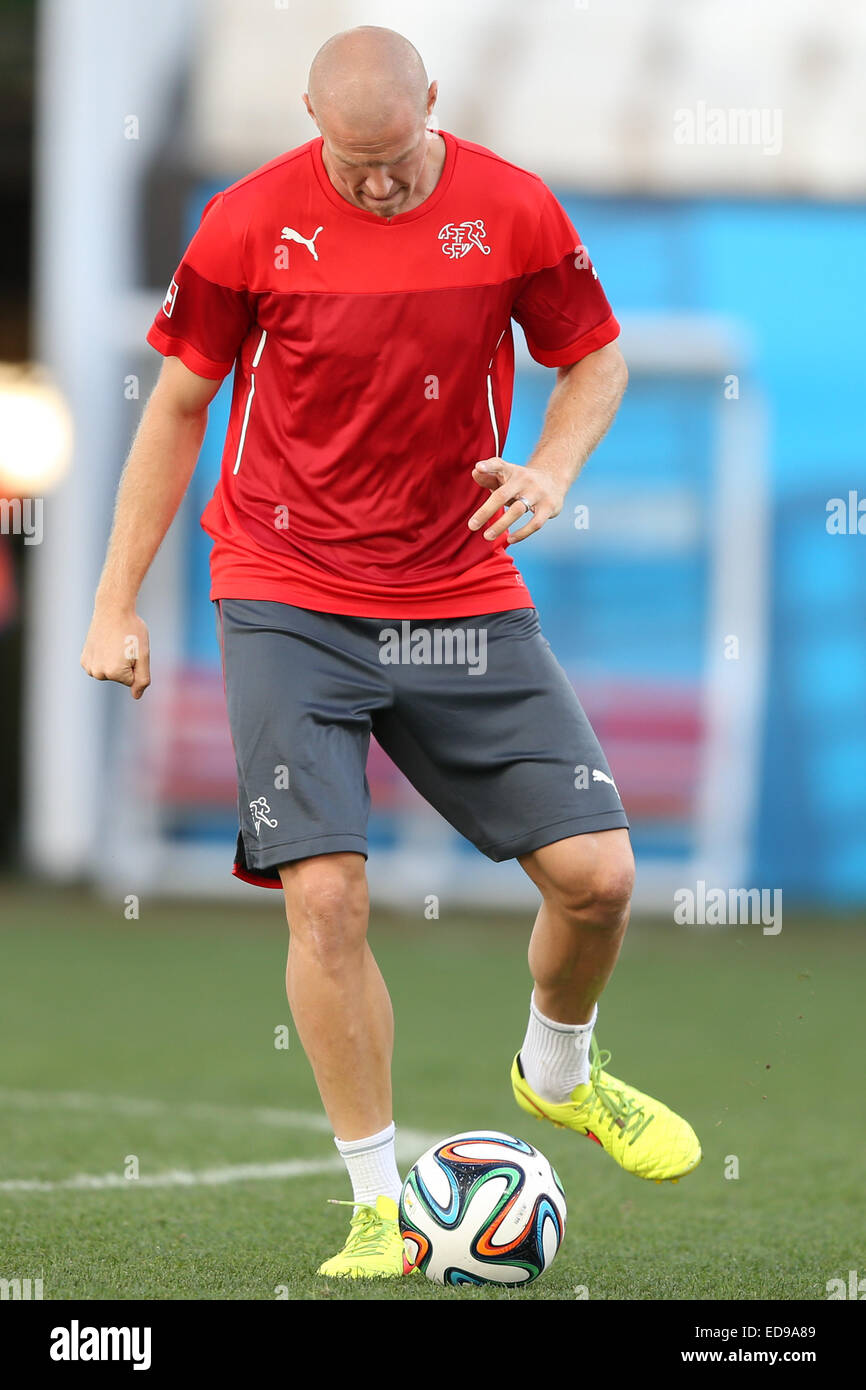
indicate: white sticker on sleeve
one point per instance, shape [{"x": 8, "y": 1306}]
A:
[{"x": 170, "y": 299}]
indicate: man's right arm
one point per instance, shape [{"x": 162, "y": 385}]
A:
[{"x": 157, "y": 473}]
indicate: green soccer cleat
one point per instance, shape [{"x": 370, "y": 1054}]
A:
[
  {"x": 374, "y": 1247},
  {"x": 641, "y": 1134}
]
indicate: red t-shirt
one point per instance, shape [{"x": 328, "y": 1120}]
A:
[{"x": 374, "y": 366}]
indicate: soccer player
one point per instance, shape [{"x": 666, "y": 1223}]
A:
[{"x": 362, "y": 288}]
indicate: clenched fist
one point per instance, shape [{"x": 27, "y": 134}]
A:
[{"x": 118, "y": 649}]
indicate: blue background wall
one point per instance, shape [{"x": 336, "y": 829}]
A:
[{"x": 795, "y": 275}]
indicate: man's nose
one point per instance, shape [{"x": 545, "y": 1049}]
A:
[{"x": 379, "y": 184}]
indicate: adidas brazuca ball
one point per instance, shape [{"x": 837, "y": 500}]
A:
[{"x": 482, "y": 1208}]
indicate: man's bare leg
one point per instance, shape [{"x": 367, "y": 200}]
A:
[
  {"x": 336, "y": 993},
  {"x": 585, "y": 882},
  {"x": 345, "y": 1022}
]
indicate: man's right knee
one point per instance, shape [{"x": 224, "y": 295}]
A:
[{"x": 327, "y": 905}]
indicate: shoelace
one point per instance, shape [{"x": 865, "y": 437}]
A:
[
  {"x": 622, "y": 1110},
  {"x": 368, "y": 1233}
]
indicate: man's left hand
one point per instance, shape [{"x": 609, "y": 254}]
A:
[{"x": 509, "y": 482}]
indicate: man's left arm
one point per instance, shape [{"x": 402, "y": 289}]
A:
[{"x": 581, "y": 409}]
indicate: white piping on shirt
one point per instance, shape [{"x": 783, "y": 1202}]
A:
[
  {"x": 250, "y": 394},
  {"x": 490, "y": 404}
]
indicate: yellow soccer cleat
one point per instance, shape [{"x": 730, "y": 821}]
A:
[
  {"x": 641, "y": 1134},
  {"x": 374, "y": 1248}
]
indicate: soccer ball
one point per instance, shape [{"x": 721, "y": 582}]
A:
[{"x": 482, "y": 1208}]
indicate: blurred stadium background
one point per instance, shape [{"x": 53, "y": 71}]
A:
[
  {"x": 711, "y": 156},
  {"x": 735, "y": 267}
]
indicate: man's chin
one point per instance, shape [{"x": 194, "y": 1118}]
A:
[{"x": 385, "y": 206}]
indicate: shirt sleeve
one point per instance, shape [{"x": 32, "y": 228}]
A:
[
  {"x": 206, "y": 313},
  {"x": 560, "y": 304}
]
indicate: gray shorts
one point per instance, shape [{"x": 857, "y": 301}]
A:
[{"x": 476, "y": 712}]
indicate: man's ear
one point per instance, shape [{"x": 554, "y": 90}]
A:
[
  {"x": 310, "y": 110},
  {"x": 432, "y": 94}
]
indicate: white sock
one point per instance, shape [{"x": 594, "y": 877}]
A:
[
  {"x": 555, "y": 1056},
  {"x": 372, "y": 1166}
]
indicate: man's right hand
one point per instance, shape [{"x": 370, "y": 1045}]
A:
[
  {"x": 118, "y": 649},
  {"x": 155, "y": 477}
]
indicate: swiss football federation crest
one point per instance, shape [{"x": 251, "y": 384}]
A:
[
  {"x": 458, "y": 239},
  {"x": 259, "y": 810}
]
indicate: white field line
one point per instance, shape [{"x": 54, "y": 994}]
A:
[
  {"x": 181, "y": 1177},
  {"x": 410, "y": 1142},
  {"x": 133, "y": 1107}
]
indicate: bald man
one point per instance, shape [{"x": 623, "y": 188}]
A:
[{"x": 362, "y": 289}]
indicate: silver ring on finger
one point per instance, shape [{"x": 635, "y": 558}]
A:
[{"x": 526, "y": 502}]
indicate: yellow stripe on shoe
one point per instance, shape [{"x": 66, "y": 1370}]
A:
[
  {"x": 374, "y": 1247},
  {"x": 643, "y": 1136}
]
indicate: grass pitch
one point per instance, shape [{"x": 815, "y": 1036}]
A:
[{"x": 149, "y": 1046}]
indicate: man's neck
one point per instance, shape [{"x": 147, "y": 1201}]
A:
[{"x": 436, "y": 152}]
